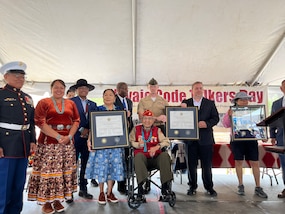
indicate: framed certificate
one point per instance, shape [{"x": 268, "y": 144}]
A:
[
  {"x": 109, "y": 129},
  {"x": 182, "y": 123},
  {"x": 244, "y": 120}
]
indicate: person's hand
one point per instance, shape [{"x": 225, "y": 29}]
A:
[
  {"x": 153, "y": 150},
  {"x": 33, "y": 148},
  {"x": 89, "y": 145},
  {"x": 161, "y": 118},
  {"x": 84, "y": 133},
  {"x": 141, "y": 143},
  {"x": 230, "y": 112},
  {"x": 128, "y": 113},
  {"x": 273, "y": 141},
  {"x": 264, "y": 140},
  {"x": 1, "y": 153},
  {"x": 202, "y": 124},
  {"x": 183, "y": 105}
]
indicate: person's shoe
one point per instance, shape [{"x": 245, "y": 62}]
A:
[
  {"x": 147, "y": 187},
  {"x": 240, "y": 190},
  {"x": 191, "y": 191},
  {"x": 102, "y": 199},
  {"x": 260, "y": 193},
  {"x": 47, "y": 208},
  {"x": 122, "y": 187},
  {"x": 94, "y": 183},
  {"x": 212, "y": 192},
  {"x": 85, "y": 194},
  {"x": 165, "y": 188},
  {"x": 141, "y": 198},
  {"x": 58, "y": 206},
  {"x": 69, "y": 201},
  {"x": 112, "y": 198},
  {"x": 281, "y": 194}
]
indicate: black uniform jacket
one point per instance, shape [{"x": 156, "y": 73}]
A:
[{"x": 16, "y": 108}]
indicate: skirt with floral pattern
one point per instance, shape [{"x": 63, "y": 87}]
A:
[{"x": 54, "y": 174}]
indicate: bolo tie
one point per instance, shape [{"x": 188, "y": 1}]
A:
[{"x": 146, "y": 141}]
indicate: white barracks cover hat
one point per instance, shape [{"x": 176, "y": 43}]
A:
[{"x": 13, "y": 67}]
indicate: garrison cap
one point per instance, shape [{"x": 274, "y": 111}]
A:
[{"x": 152, "y": 82}]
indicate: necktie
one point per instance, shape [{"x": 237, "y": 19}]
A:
[
  {"x": 124, "y": 103},
  {"x": 86, "y": 110}
]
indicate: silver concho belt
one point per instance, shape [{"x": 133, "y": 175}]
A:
[{"x": 60, "y": 126}]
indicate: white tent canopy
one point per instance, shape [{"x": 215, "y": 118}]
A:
[{"x": 220, "y": 42}]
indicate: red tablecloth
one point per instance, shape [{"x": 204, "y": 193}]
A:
[{"x": 223, "y": 157}]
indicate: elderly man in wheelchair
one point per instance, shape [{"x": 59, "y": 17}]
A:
[{"x": 148, "y": 142}]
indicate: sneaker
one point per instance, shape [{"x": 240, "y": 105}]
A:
[
  {"x": 240, "y": 190},
  {"x": 47, "y": 208},
  {"x": 112, "y": 198},
  {"x": 58, "y": 206},
  {"x": 212, "y": 193},
  {"x": 102, "y": 199},
  {"x": 281, "y": 194},
  {"x": 259, "y": 192}
]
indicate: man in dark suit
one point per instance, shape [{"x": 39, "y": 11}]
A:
[
  {"x": 84, "y": 106},
  {"x": 124, "y": 104},
  {"x": 276, "y": 134},
  {"x": 202, "y": 149}
]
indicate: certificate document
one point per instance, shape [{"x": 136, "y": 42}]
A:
[
  {"x": 108, "y": 126},
  {"x": 109, "y": 129},
  {"x": 182, "y": 123},
  {"x": 181, "y": 120}
]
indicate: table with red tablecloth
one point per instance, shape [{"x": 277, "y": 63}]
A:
[{"x": 223, "y": 158}]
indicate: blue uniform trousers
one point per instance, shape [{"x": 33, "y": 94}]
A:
[{"x": 12, "y": 182}]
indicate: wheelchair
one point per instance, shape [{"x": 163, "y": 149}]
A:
[{"x": 135, "y": 199}]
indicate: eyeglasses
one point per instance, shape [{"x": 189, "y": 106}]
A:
[{"x": 19, "y": 76}]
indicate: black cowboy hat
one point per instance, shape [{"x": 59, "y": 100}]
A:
[{"x": 83, "y": 82}]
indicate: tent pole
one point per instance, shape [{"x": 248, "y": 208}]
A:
[
  {"x": 270, "y": 58},
  {"x": 134, "y": 38}
]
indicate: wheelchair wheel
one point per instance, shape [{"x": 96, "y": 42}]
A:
[
  {"x": 172, "y": 199},
  {"x": 133, "y": 202}
]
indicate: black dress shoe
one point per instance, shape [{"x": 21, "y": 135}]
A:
[
  {"x": 191, "y": 191},
  {"x": 94, "y": 183},
  {"x": 85, "y": 194},
  {"x": 147, "y": 187},
  {"x": 212, "y": 193}
]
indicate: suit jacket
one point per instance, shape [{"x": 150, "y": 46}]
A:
[
  {"x": 208, "y": 112},
  {"x": 277, "y": 132},
  {"x": 84, "y": 122},
  {"x": 130, "y": 108}
]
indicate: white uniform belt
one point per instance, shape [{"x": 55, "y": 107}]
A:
[{"x": 14, "y": 126}]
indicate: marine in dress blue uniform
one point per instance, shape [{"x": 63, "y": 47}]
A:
[{"x": 17, "y": 137}]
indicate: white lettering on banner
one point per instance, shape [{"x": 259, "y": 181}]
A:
[
  {"x": 175, "y": 96},
  {"x": 225, "y": 96},
  {"x": 218, "y": 94}
]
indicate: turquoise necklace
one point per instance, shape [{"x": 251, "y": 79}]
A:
[
  {"x": 144, "y": 140},
  {"x": 56, "y": 108}
]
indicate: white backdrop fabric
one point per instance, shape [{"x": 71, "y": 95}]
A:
[{"x": 219, "y": 42}]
